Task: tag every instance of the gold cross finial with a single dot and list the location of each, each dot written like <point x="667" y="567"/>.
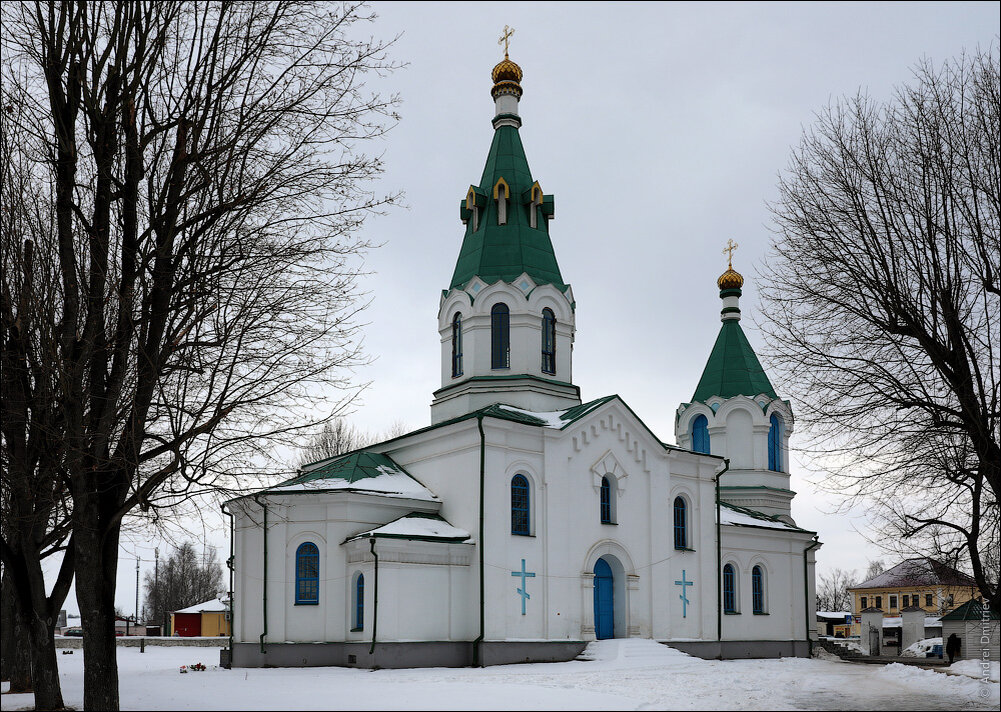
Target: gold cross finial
<point x="505" y="38"/>
<point x="730" y="247"/>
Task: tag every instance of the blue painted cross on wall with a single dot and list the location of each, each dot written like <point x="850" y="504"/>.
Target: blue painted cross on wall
<point x="522" y="591"/>
<point x="684" y="597"/>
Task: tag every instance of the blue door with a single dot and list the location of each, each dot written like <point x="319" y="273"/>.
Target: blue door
<point x="604" y="620"/>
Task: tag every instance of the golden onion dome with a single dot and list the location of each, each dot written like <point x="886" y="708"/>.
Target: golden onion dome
<point x="506" y="70"/>
<point x="731" y="279"/>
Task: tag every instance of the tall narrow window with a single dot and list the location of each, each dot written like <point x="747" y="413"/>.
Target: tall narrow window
<point x="775" y="444"/>
<point x="863" y="603"/>
<point x="359" y="603"/>
<point x="700" y="434"/>
<point x="606" y="501"/>
<point x="758" y="589"/>
<point x="519" y="505"/>
<point x="457" y="345"/>
<point x="879" y="602"/>
<point x="548" y="342"/>
<point x="500" y="336"/>
<point x="729" y="589"/>
<point x="680" y="523"/>
<point x="307" y="574"/>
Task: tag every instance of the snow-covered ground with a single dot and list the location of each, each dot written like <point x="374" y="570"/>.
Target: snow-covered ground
<point x="620" y="675"/>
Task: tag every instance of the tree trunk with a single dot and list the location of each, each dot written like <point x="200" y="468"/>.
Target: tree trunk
<point x="45" y="670"/>
<point x="16" y="650"/>
<point x="96" y="568"/>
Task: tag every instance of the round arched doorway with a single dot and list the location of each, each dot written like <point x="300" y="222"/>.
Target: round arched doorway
<point x="604" y="600"/>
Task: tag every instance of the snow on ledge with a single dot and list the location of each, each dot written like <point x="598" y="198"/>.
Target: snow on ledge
<point x="418" y="527"/>
<point x="734" y="517"/>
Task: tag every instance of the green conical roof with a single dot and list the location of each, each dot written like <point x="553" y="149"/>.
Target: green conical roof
<point x="504" y="252"/>
<point x="733" y="368"/>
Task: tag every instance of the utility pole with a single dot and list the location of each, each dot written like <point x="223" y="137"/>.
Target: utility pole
<point x="137" y="591"/>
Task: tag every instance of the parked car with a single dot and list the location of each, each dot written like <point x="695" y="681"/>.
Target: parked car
<point x="75" y="632"/>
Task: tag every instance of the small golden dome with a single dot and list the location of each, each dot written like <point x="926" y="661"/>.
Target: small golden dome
<point x="731" y="279"/>
<point x="506" y="71"/>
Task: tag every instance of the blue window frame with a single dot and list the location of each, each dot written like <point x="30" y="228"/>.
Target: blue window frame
<point x="457" y="345"/>
<point x="758" y="589"/>
<point x="775" y="443"/>
<point x="548" y="342"/>
<point x="606" y="501"/>
<point x="500" y="336"/>
<point x="700" y="434"/>
<point x="519" y="505"/>
<point x="680" y="523"/>
<point x="359" y="603"/>
<point x="307" y="574"/>
<point x="729" y="589"/>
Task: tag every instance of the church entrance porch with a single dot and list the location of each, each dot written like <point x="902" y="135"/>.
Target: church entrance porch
<point x="605" y="585"/>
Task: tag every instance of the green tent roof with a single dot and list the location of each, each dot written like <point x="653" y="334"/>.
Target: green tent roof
<point x="733" y="368"/>
<point x="503" y="252"/>
<point x="972" y="610"/>
<point x="352" y="467"/>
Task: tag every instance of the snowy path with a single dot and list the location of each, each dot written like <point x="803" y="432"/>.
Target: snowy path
<point x="621" y="675"/>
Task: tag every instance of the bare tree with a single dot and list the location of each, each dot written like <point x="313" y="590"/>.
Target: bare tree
<point x="883" y="307"/>
<point x="875" y="568"/>
<point x="832" y="590"/>
<point x="191" y="300"/>
<point x="337" y="437"/>
<point x="181" y="581"/>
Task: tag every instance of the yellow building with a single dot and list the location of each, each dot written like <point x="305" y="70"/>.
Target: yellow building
<point x="924" y="583"/>
<point x="210" y="618"/>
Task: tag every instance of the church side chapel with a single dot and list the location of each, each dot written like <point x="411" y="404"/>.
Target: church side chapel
<point x="523" y="522"/>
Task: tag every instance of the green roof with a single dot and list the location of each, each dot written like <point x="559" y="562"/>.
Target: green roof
<point x="972" y="610"/>
<point x="733" y="369"/>
<point x="503" y="252"/>
<point x="351" y="467"/>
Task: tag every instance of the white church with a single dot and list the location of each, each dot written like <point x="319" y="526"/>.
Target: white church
<point x="523" y="523"/>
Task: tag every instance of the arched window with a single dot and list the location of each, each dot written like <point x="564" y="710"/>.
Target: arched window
<point x="700" y="434"/>
<point x="758" y="589"/>
<point x="775" y="443"/>
<point x="500" y="336"/>
<point x="606" y="501"/>
<point x="457" y="345"/>
<point x="519" y="505"/>
<point x="359" y="595"/>
<point x="548" y="342"/>
<point x="680" y="523"/>
<point x="729" y="589"/>
<point x="307" y="574"/>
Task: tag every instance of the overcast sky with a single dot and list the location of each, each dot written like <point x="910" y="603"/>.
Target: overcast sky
<point x="660" y="128"/>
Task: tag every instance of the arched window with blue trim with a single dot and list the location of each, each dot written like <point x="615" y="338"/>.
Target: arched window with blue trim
<point x="775" y="443"/>
<point x="700" y="434"/>
<point x="548" y="341"/>
<point x="606" y="501"/>
<point x="307" y="574"/>
<point x="500" y="336"/>
<point x="729" y="589"/>
<point x="758" y="589"/>
<point x="520" y="504"/>
<point x="359" y="607"/>
<point x="680" y="523"/>
<point x="457" y="345"/>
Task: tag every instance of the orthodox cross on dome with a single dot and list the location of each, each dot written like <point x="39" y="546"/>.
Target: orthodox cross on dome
<point x="506" y="37"/>
<point x="522" y="591"/>
<point x="728" y="250"/>
<point x="683" y="583"/>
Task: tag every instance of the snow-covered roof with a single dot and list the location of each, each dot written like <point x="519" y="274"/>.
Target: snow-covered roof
<point x="417" y="525"/>
<point x="214" y="605"/>
<point x="733" y="515"/>
<point x="362" y="471"/>
<point x="558" y="419"/>
<point x="923" y="571"/>
<point x="833" y="614"/>
<point x="898" y="621"/>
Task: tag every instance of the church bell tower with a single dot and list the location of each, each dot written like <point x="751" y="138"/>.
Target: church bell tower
<point x="506" y="320"/>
